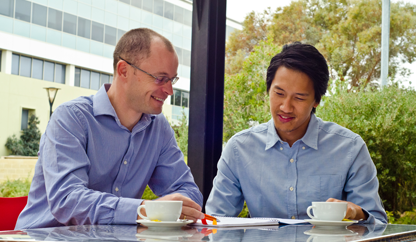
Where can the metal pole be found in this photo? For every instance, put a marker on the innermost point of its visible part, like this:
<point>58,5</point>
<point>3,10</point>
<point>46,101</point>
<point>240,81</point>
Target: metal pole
<point>207,91</point>
<point>385,36</point>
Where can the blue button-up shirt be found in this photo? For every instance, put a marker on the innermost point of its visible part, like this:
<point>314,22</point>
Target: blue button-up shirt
<point>277,180</point>
<point>93,170</point>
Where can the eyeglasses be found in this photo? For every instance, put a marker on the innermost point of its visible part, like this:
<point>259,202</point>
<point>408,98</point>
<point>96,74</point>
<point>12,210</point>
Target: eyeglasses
<point>159,80</point>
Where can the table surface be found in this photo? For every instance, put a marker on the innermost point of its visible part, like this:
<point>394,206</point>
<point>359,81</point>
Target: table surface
<point>298,233</point>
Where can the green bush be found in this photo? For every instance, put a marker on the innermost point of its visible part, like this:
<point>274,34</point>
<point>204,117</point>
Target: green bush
<point>15,188</point>
<point>386,120</point>
<point>28,144</point>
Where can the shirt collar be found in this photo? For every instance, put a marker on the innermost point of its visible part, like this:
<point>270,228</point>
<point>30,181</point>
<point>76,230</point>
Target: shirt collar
<point>310,138</point>
<point>103,106</point>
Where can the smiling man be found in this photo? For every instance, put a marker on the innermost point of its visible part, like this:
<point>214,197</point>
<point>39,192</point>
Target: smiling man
<point>296,158</point>
<point>98,153</point>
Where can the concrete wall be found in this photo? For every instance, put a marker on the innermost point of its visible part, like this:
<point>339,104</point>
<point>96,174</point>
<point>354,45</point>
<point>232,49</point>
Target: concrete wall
<point>17,168</point>
<point>17,92</point>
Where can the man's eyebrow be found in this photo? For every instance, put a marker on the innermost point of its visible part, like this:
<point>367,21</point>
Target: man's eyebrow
<point>300,94</point>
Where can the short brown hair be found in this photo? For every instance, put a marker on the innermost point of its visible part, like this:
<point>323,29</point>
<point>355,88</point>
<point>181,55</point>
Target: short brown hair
<point>134,46</point>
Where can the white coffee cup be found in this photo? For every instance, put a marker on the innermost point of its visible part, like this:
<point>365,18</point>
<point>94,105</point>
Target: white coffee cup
<point>161,210</point>
<point>331,211</point>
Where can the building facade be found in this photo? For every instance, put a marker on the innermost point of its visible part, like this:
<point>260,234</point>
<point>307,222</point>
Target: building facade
<point>68,44</point>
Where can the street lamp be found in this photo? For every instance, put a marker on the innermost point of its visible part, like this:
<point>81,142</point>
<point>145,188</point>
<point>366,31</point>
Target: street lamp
<point>52,91</point>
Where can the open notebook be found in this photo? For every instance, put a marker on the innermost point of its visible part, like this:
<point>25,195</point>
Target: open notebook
<point>243,222</point>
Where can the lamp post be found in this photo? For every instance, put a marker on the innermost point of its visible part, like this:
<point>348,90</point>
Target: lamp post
<point>52,91</point>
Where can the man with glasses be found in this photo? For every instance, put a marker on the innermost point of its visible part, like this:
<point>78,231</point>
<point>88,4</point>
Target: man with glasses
<point>98,153</point>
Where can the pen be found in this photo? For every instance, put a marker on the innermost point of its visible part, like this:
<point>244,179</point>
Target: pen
<point>211,218</point>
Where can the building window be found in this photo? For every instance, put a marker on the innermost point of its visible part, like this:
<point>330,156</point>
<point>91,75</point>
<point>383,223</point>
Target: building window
<point>180,98</point>
<point>39,69</point>
<point>6,8</point>
<point>91,79</point>
<point>25,119</point>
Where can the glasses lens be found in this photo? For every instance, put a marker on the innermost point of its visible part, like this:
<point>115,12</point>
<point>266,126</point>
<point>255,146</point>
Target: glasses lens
<point>161,80</point>
<point>175,80</point>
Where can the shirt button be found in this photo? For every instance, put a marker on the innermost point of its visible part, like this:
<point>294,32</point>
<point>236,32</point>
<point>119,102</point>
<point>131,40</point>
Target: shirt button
<point>293,217</point>
<point>292,160</point>
<point>281,148</point>
<point>291,189</point>
<point>125,162</point>
<point>303,147</point>
<point>116,189</point>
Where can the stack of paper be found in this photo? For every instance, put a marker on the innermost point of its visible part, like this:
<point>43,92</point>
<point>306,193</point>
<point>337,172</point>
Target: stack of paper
<point>246,222</point>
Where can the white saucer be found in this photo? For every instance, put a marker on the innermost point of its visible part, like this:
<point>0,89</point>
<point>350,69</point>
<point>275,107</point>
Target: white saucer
<point>330,223</point>
<point>178,223</point>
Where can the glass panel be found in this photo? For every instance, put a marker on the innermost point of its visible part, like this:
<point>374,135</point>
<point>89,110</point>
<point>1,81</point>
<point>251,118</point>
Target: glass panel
<point>25,119</point>
<point>85,78</point>
<point>111,79</point>
<point>55,19</point>
<point>25,66</point>
<point>37,69</point>
<point>95,80</point>
<point>84,27</point>
<point>179,53</point>
<point>148,5</point>
<point>39,14</point>
<point>136,3</point>
<point>178,14</point>
<point>125,1</point>
<point>70,23</point>
<point>97,31</point>
<point>110,35</point>
<point>23,10</point>
<point>6,8</point>
<point>168,11</point>
<point>185,99</point>
<point>60,73</point>
<point>49,71</point>
<point>177,101</point>
<point>77,77</point>
<point>120,33</point>
<point>158,7</point>
<point>187,17</point>
<point>186,57</point>
<point>104,79</point>
<point>15,63</point>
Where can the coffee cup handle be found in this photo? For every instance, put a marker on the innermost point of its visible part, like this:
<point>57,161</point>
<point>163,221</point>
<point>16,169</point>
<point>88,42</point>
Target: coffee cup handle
<point>140,214</point>
<point>308,211</point>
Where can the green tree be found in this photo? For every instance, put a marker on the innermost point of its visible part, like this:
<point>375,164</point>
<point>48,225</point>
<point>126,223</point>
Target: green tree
<point>246,100</point>
<point>346,32</point>
<point>181,133</point>
<point>28,144</point>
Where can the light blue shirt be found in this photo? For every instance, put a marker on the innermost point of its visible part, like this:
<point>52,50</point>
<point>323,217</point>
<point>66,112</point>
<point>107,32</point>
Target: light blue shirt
<point>93,170</point>
<point>279,181</point>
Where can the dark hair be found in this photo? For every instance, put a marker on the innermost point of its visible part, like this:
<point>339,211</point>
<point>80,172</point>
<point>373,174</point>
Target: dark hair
<point>134,46</point>
<point>306,59</point>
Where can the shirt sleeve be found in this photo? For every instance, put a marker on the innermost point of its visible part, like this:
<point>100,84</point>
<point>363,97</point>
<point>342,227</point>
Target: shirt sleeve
<point>66,167</point>
<point>362,185</point>
<point>226,197</point>
<point>171,174</point>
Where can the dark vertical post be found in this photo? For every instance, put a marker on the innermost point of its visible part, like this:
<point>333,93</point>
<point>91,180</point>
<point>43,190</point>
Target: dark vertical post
<point>207,91</point>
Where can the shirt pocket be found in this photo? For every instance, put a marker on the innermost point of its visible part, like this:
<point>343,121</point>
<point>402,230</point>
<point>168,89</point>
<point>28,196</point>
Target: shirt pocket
<point>322,187</point>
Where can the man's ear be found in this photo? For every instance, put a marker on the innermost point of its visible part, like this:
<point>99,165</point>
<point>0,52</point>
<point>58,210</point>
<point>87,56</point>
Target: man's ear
<point>121,69</point>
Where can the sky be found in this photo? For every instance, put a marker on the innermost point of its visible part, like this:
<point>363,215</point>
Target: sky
<point>238,9</point>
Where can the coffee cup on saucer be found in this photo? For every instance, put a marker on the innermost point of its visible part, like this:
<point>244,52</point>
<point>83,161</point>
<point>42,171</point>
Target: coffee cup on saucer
<point>329,211</point>
<point>161,210</point>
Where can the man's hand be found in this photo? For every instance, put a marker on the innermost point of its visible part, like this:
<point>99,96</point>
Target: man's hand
<point>190,209</point>
<point>354,211</point>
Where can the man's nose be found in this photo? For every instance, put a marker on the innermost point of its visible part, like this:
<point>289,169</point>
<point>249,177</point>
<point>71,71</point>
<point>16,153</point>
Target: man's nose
<point>286,105</point>
<point>167,88</point>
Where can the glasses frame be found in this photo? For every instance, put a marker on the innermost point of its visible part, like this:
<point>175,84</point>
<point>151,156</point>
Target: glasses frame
<point>158,81</point>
